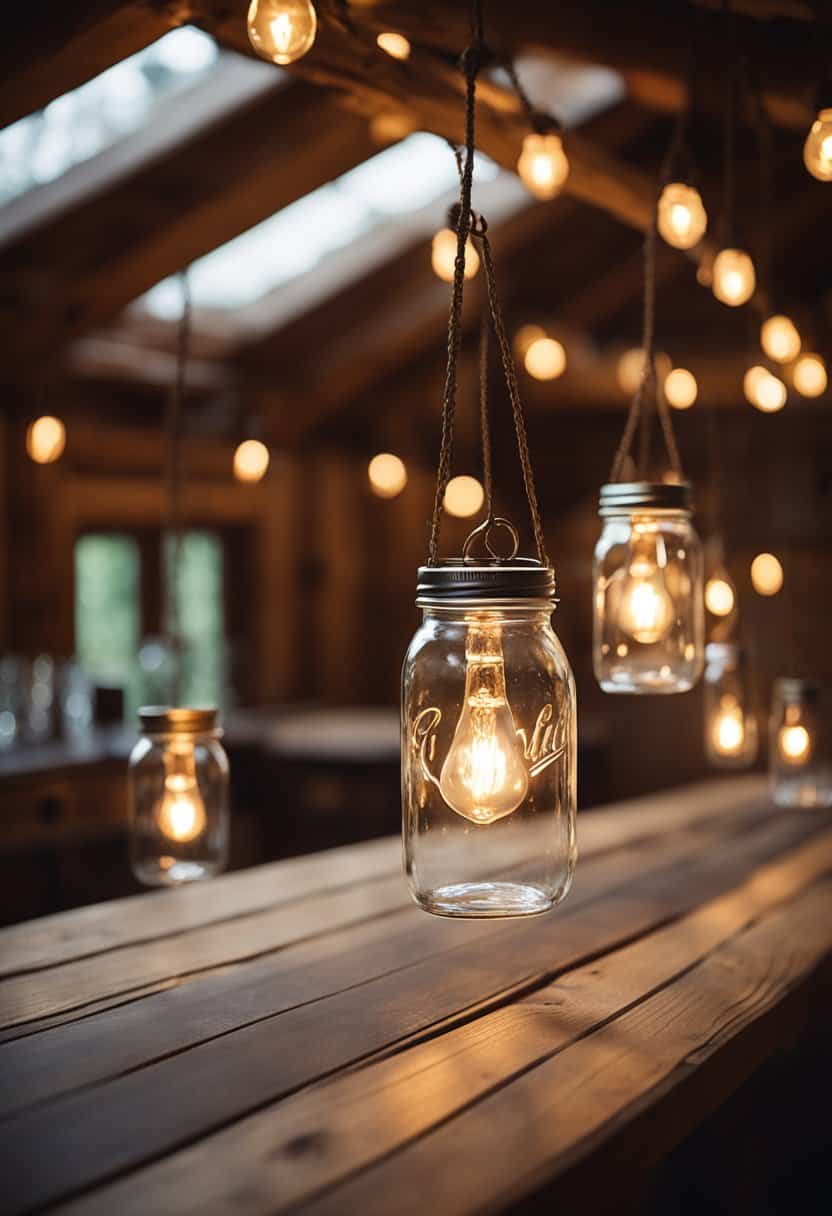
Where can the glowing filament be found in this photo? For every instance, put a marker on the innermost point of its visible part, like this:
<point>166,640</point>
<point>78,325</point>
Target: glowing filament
<point>719,597</point>
<point>543,166</point>
<point>181,814</point>
<point>682,218</point>
<point>728,733</point>
<point>734,277</point>
<point>646,607</point>
<point>794,743</point>
<point>281,30</point>
<point>817,151</point>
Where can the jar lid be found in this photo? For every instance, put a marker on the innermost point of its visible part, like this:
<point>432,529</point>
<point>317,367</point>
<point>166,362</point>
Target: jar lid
<point>722,652</point>
<point>456,581</point>
<point>164,720</point>
<point>619,496</point>
<point>793,686</point>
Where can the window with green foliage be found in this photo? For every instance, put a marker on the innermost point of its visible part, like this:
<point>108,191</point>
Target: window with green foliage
<point>198,586</point>
<point>107,606</point>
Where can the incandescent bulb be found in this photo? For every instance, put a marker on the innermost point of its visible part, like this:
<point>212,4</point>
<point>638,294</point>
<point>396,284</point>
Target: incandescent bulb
<point>794,743</point>
<point>680,388</point>
<point>251,460</point>
<point>395,45</point>
<point>682,218</point>
<point>817,151</point>
<point>719,596</point>
<point>734,278</point>
<point>779,338</point>
<point>484,776</point>
<point>387,474</point>
<point>46,439</point>
<point>545,359</point>
<point>543,166</point>
<point>443,256</point>
<point>728,730</point>
<point>646,607</point>
<point>765,391</point>
<point>181,814</point>
<point>281,30</point>
<point>525,336</point>
<point>766,574</point>
<point>809,376</point>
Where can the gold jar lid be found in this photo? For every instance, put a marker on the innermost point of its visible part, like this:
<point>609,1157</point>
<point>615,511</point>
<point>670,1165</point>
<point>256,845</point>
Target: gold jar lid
<point>164,720</point>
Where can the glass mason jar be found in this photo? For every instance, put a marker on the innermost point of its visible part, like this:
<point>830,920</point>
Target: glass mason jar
<point>730,722</point>
<point>800,744</point>
<point>648,619</point>
<point>178,797</point>
<point>488,744</point>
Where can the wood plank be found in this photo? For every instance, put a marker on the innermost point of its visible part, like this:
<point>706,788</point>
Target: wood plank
<point>106,1129</point>
<point>282,1156</point>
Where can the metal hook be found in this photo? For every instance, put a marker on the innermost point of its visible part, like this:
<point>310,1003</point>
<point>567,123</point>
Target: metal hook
<point>484,530</point>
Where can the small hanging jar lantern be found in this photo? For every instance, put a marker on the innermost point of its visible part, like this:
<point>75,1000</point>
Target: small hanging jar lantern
<point>800,744</point>
<point>178,797</point>
<point>488,699</point>
<point>730,723</point>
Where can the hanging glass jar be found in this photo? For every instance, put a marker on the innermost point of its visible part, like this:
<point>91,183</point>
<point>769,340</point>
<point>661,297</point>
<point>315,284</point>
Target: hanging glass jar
<point>648,620</point>
<point>488,743</point>
<point>178,797</point>
<point>800,744</point>
<point>730,723</point>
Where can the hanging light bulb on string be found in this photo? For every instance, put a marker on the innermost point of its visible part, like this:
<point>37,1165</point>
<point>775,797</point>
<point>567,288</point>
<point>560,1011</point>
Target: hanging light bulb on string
<point>809,375</point>
<point>817,150</point>
<point>45,439</point>
<point>733,277</point>
<point>443,256</point>
<point>682,219</point>
<point>719,594</point>
<point>765,391</point>
<point>281,30</point>
<point>387,475</point>
<point>545,358</point>
<point>779,338</point>
<point>543,166</point>
<point>394,45</point>
<point>766,574</point>
<point>251,460</point>
<point>680,388</point>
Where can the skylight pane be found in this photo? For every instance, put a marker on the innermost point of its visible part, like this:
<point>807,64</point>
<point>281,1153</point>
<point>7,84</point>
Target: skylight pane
<point>75,127</point>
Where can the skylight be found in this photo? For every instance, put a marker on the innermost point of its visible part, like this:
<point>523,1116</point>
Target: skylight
<point>389,187</point>
<point>75,127</point>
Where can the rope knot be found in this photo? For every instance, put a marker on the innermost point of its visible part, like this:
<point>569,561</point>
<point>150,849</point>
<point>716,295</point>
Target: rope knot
<point>476,225</point>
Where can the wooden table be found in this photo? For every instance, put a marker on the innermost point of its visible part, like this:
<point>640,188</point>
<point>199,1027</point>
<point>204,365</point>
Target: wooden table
<point>300,1037</point>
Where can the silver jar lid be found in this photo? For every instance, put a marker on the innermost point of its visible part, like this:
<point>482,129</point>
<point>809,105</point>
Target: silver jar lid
<point>456,581</point>
<point>165,720</point>
<point>619,496</point>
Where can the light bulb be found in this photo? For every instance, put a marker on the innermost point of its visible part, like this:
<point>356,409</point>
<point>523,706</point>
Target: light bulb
<point>463,496</point>
<point>395,45</point>
<point>181,814</point>
<point>46,439</point>
<point>484,776</point>
<point>543,166</point>
<point>525,336</point>
<point>817,151</point>
<point>734,278</point>
<point>719,596</point>
<point>281,30</point>
<point>545,359</point>
<point>251,460</point>
<point>646,607</point>
<point>794,743</point>
<point>809,376</point>
<point>779,338</point>
<point>443,256</point>
<point>680,388</point>
<point>387,474</point>
<point>682,218</point>
<point>765,391</point>
<point>766,574</point>
<point>728,730</point>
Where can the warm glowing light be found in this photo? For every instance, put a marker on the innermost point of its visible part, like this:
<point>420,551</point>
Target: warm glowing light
<point>484,776</point>
<point>794,743</point>
<point>817,151</point>
<point>251,460</point>
<point>390,126</point>
<point>443,256</point>
<point>646,612</point>
<point>387,474</point>
<point>779,338</point>
<point>545,359</point>
<point>680,388</point>
<point>181,814</point>
<point>463,496</point>
<point>719,597</point>
<point>524,337</point>
<point>631,369</point>
<point>46,439</point>
<point>728,730</point>
<point>543,165</point>
<point>766,574</point>
<point>281,30</point>
<point>682,218</point>
<point>396,45</point>
<point>764,390</point>
<point>809,376</point>
<point>734,278</point>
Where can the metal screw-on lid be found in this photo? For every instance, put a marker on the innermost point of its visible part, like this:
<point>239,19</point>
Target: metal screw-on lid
<point>456,581</point>
<point>164,720</point>
<point>619,496</point>
<point>795,689</point>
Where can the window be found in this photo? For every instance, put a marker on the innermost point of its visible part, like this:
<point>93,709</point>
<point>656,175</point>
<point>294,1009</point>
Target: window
<point>199,596</point>
<point>107,606</point>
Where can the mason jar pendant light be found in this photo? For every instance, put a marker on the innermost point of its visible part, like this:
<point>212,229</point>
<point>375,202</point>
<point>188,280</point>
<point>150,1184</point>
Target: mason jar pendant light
<point>488,698</point>
<point>730,724</point>
<point>800,744</point>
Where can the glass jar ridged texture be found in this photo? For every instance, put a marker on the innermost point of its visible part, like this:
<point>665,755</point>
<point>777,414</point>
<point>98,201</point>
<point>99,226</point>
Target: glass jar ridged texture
<point>488,761</point>
<point>178,806</point>
<point>648,614</point>
<point>800,744</point>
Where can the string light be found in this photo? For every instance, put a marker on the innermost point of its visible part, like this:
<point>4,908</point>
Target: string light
<point>765,391</point>
<point>387,474</point>
<point>464,496</point>
<point>719,596</point>
<point>46,439</point>
<point>395,45</point>
<point>251,460</point>
<point>281,30</point>
<point>545,359</point>
<point>817,150</point>
<point>524,337</point>
<point>680,388</point>
<point>734,278</point>
<point>766,574</point>
<point>682,218</point>
<point>443,256</point>
<point>809,376</point>
<point>779,338</point>
<point>543,165</point>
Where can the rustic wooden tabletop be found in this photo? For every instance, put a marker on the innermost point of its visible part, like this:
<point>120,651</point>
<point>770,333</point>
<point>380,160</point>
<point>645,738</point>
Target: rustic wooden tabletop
<point>301,1037</point>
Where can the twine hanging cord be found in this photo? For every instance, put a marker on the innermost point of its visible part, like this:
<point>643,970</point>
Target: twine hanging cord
<point>172,536</point>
